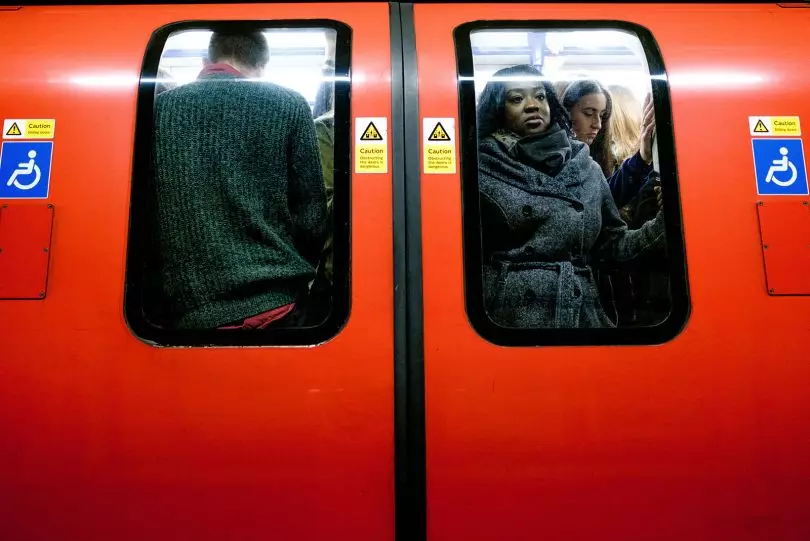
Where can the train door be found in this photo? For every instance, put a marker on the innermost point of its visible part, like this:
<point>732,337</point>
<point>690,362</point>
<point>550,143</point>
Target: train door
<point>116,426</point>
<point>569,400</point>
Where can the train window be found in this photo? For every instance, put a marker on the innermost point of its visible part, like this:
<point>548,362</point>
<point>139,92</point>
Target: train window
<point>239,220</point>
<point>572,229</point>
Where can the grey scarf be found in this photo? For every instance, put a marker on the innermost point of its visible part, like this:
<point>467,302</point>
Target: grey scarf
<point>547,152</point>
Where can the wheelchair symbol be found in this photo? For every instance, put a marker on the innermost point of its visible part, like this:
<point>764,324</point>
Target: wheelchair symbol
<point>25,169</point>
<point>780,166</point>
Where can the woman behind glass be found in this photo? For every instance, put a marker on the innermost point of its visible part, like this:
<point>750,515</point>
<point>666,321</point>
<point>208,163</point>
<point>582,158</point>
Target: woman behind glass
<point>547,214</point>
<point>590,107</point>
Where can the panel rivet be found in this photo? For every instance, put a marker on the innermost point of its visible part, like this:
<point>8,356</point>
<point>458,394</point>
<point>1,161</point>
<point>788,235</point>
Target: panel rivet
<point>764,246</point>
<point>771,291</point>
<point>41,294</point>
<point>44,249</point>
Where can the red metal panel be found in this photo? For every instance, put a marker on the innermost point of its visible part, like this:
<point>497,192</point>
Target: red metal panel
<point>103,437</point>
<point>785,231</point>
<point>25,247</point>
<point>704,438</point>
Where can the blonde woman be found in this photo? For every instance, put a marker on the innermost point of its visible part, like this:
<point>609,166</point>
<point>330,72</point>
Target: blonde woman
<point>625,123</point>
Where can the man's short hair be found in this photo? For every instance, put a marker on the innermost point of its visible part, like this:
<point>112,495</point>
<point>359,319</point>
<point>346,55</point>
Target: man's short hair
<point>247,48</point>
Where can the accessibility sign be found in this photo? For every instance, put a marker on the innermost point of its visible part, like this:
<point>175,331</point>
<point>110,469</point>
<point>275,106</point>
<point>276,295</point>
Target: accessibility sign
<point>439,145</point>
<point>371,145</point>
<point>774,126</point>
<point>29,128</point>
<point>780,167</point>
<point>25,169</point>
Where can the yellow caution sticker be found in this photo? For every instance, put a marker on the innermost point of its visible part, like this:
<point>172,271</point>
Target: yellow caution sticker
<point>371,145</point>
<point>439,145</point>
<point>371,133</point>
<point>438,133</point>
<point>28,128</point>
<point>774,126</point>
<point>14,129</point>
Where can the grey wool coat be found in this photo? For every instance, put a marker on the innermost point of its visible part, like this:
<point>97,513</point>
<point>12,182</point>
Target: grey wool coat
<point>542,235</point>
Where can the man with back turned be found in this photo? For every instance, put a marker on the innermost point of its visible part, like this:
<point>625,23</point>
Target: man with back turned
<point>238,195</point>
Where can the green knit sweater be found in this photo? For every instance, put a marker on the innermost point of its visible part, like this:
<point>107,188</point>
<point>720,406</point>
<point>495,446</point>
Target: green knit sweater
<point>239,200</point>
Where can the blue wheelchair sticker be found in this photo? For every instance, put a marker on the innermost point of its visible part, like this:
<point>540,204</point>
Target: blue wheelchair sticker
<point>25,169</point>
<point>780,167</point>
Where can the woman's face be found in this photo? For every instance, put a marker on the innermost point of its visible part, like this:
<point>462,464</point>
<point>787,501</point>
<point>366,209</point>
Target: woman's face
<point>526,108</point>
<point>587,116</point>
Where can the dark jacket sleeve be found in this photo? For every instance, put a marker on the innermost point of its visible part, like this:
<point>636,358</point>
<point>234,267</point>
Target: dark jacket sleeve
<point>306,191</point>
<point>628,179</point>
<point>326,145</point>
<point>495,232</point>
<point>618,244</point>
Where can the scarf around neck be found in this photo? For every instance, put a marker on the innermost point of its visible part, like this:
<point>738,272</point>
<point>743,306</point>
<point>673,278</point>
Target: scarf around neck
<point>547,152</point>
<point>219,68</point>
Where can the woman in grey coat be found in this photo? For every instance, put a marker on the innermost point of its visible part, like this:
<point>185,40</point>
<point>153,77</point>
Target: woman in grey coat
<point>547,213</point>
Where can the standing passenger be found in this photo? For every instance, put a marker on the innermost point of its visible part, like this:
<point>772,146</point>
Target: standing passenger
<point>547,215</point>
<point>238,195</point>
<point>647,283</point>
<point>325,97</point>
<point>590,106</point>
<point>322,290</point>
<point>617,293</point>
<point>625,122</point>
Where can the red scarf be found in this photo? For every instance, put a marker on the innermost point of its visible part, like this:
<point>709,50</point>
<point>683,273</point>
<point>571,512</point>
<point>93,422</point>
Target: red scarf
<point>220,67</point>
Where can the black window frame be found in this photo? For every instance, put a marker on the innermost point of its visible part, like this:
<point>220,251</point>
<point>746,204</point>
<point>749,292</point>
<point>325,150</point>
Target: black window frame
<point>480,321</point>
<point>138,217</point>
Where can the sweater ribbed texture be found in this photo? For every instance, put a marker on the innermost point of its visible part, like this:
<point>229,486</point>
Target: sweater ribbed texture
<point>238,197</point>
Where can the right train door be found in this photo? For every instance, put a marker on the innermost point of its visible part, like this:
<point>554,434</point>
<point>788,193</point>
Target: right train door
<point>603,358</point>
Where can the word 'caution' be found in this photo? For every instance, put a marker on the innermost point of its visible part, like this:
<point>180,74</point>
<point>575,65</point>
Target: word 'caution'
<point>439,144</point>
<point>28,128</point>
<point>371,145</point>
<point>774,126</point>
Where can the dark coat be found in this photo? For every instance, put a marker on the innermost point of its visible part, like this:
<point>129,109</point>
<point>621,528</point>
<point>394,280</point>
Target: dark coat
<point>627,180</point>
<point>638,294</point>
<point>541,236</point>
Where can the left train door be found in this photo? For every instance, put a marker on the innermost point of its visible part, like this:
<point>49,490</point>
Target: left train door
<point>115,427</point>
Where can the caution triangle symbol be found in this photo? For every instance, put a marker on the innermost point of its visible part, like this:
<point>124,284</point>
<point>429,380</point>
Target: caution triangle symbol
<point>760,127</point>
<point>439,133</point>
<point>371,133</point>
<point>14,130</point>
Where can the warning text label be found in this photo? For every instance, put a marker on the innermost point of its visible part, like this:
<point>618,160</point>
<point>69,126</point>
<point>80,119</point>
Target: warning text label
<point>439,145</point>
<point>28,128</point>
<point>774,126</point>
<point>371,145</point>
